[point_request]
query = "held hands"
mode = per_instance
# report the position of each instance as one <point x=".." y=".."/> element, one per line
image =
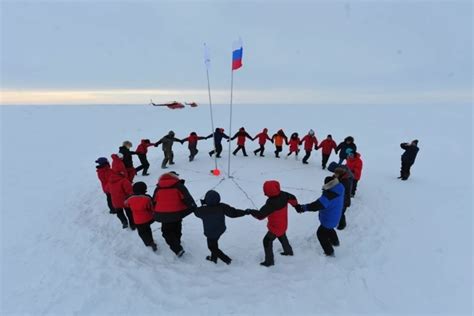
<point x="299" y="208"/>
<point x="251" y="212"/>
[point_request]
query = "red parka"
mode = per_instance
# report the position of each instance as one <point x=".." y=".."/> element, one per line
<point x="118" y="166"/>
<point x="172" y="199"/>
<point x="120" y="188"/>
<point x="142" y="208"/>
<point x="294" y="144"/>
<point x="355" y="164"/>
<point x="142" y="149"/>
<point x="103" y="173"/>
<point x="309" y="142"/>
<point x="276" y="208"/>
<point x="327" y="145"/>
<point x="263" y="137"/>
<point x="241" y="135"/>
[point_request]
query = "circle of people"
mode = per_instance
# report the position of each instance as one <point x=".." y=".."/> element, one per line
<point x="171" y="201"/>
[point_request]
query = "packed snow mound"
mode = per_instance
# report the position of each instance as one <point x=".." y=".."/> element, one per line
<point x="407" y="248"/>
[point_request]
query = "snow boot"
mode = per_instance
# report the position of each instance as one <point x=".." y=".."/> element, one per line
<point x="267" y="263"/>
<point x="210" y="258"/>
<point x="180" y="253"/>
<point x="342" y="223"/>
<point x="124" y="225"/>
<point x="286" y="253"/>
<point x="154" y="247"/>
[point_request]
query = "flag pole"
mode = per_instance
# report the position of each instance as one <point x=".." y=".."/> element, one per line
<point x="212" y="117"/>
<point x="207" y="62"/>
<point x="230" y="120"/>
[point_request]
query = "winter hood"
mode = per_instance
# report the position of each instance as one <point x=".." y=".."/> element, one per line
<point x="118" y="165"/>
<point x="212" y="198"/>
<point x="271" y="188"/>
<point x="331" y="184"/>
<point x="168" y="180"/>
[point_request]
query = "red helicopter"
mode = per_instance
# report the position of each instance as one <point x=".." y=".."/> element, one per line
<point x="191" y="104"/>
<point x="171" y="105"/>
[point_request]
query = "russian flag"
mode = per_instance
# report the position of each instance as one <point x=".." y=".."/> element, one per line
<point x="237" y="51"/>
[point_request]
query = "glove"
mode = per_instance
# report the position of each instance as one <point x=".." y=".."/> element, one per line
<point x="299" y="208"/>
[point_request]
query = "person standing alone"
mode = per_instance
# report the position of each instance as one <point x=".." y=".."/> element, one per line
<point x="408" y="158"/>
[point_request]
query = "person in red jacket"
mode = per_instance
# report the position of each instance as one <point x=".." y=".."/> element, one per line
<point x="262" y="139"/>
<point x="120" y="188"/>
<point x="103" y="173"/>
<point x="192" y="140"/>
<point x="141" y="152"/>
<point x="310" y="141"/>
<point x="173" y="202"/>
<point x="241" y="135"/>
<point x="276" y="209"/>
<point x="294" y="144"/>
<point x="355" y="164"/>
<point x="328" y="145"/>
<point x="141" y="205"/>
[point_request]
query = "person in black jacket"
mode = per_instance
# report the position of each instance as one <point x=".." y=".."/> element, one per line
<point x="345" y="177"/>
<point x="217" y="135"/>
<point x="213" y="213"/>
<point x="408" y="158"/>
<point x="127" y="159"/>
<point x="346" y="147"/>
<point x="167" y="145"/>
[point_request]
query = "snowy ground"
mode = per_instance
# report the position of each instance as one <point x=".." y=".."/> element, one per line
<point x="407" y="248"/>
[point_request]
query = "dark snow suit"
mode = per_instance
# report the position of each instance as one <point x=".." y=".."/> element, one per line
<point x="217" y="135"/>
<point x="213" y="221"/>
<point x="167" y="146"/>
<point x="408" y="159"/>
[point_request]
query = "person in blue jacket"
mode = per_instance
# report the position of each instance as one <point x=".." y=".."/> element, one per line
<point x="213" y="213"/>
<point x="408" y="158"/>
<point x="217" y="135"/>
<point x="330" y="206"/>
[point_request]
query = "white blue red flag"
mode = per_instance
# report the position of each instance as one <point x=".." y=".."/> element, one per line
<point x="237" y="51"/>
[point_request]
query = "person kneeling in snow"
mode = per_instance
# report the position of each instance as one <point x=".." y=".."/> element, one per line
<point x="276" y="209"/>
<point x="141" y="205"/>
<point x="329" y="206"/>
<point x="173" y="202"/>
<point x="213" y="213"/>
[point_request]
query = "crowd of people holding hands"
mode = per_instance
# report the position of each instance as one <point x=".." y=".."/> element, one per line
<point x="171" y="201"/>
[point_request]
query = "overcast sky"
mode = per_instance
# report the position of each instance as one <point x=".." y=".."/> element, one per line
<point x="310" y="52"/>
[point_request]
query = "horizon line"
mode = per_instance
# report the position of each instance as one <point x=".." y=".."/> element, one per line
<point x="11" y="97"/>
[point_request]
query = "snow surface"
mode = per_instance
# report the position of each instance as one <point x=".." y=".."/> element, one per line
<point x="407" y="248"/>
